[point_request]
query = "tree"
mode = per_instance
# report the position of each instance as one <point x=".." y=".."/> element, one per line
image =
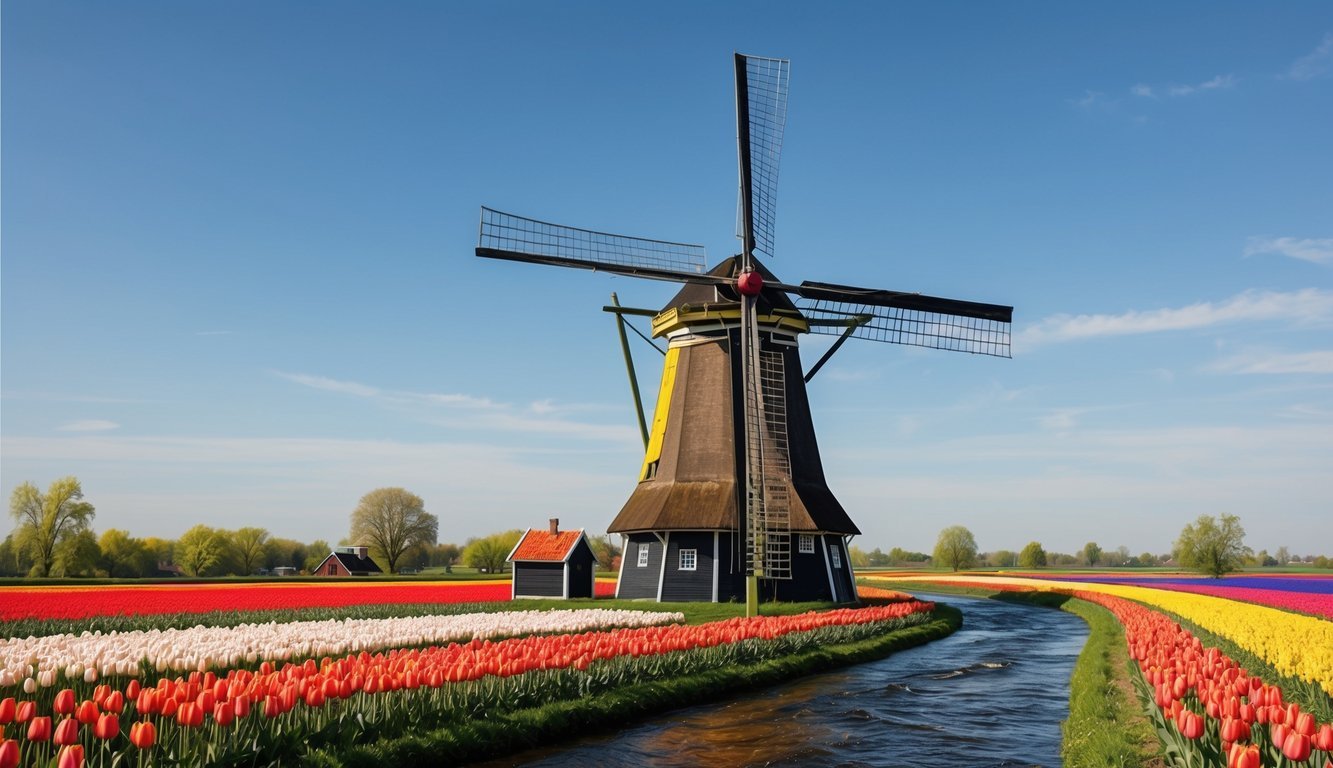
<point x="956" y="548"/>
<point x="247" y="545"/>
<point x="1032" y="556"/>
<point x="199" y="549"/>
<point x="391" y="521"/>
<point x="1092" y="553"/>
<point x="858" y="557"/>
<point x="489" y="553"/>
<point x="47" y="521"/>
<point x="1283" y="556"/>
<point x="124" y="556"/>
<point x="1211" y="546"/>
<point x="312" y="555"/>
<point x="1003" y="558"/>
<point x="604" y="549"/>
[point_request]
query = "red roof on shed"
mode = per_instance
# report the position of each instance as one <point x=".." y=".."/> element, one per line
<point x="546" y="546"/>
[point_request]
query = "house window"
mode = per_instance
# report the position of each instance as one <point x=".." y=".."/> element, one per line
<point x="643" y="555"/>
<point x="807" y="544"/>
<point x="689" y="559"/>
<point x="836" y="554"/>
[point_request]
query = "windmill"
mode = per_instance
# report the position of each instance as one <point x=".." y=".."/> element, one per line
<point x="732" y="453"/>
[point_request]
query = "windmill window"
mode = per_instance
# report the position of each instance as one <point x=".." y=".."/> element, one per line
<point x="807" y="544"/>
<point x="643" y="555"/>
<point x="836" y="554"/>
<point x="689" y="559"/>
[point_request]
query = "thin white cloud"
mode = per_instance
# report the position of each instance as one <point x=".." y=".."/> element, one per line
<point x="1219" y="82"/>
<point x="1318" y="250"/>
<point x="89" y="425"/>
<point x="330" y="385"/>
<point x="459" y="411"/>
<point x="1317" y="63"/>
<point x="1304" y="306"/>
<point x="1318" y="361"/>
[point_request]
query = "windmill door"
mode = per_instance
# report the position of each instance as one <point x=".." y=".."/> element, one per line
<point x="839" y="567"/>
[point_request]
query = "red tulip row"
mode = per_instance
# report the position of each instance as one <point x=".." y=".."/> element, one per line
<point x="1207" y="705"/>
<point x="219" y="702"/>
<point x="1217" y="709"/>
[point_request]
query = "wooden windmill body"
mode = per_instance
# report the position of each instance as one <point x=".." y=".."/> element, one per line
<point x="683" y="524"/>
<point x="731" y="498"/>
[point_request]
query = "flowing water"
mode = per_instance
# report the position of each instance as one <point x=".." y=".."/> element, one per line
<point x="991" y="694"/>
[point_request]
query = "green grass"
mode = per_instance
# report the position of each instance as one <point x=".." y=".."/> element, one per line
<point x="1105" y="727"/>
<point x="495" y="734"/>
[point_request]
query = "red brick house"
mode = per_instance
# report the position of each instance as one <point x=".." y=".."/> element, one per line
<point x="347" y="561"/>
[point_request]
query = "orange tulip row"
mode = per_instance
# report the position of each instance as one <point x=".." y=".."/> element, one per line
<point x="223" y="699"/>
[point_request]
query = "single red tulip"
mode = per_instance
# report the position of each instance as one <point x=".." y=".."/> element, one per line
<point x="107" y="726"/>
<point x="143" y="734"/>
<point x="1243" y="756"/>
<point x="7" y="707"/>
<point x="64" y="703"/>
<point x="67" y="732"/>
<point x="39" y="729"/>
<point x="86" y="712"/>
<point x="9" y="754"/>
<point x="1323" y="738"/>
<point x="241" y="705"/>
<point x="1304" y="724"/>
<point x="1234" y="729"/>
<point x="132" y="689"/>
<point x="1296" y="747"/>
<point x="169" y="707"/>
<point x="25" y="711"/>
<point x="190" y="715"/>
<point x="224" y="714"/>
<point x="71" y="757"/>
<point x="1278" y="735"/>
<point x="1193" y="726"/>
<point x="272" y="707"/>
<point x="114" y="702"/>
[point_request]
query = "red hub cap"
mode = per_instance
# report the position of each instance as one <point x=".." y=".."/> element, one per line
<point x="750" y="283"/>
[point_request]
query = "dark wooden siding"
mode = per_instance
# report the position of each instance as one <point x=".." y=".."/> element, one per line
<point x="730" y="581"/>
<point x="580" y="571"/>
<point x="689" y="586"/>
<point x="809" y="574"/>
<point x="638" y="583"/>
<point x="539" y="579"/>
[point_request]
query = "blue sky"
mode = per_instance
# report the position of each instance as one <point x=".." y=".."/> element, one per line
<point x="239" y="287"/>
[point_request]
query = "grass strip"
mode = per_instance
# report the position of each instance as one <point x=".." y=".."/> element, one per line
<point x="1105" y="727"/>
<point x="515" y="731"/>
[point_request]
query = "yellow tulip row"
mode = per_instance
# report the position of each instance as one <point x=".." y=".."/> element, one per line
<point x="1297" y="646"/>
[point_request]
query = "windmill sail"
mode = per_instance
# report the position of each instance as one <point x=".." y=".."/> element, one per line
<point x="761" y="116"/>
<point x="517" y="238"/>
<point x="910" y="327"/>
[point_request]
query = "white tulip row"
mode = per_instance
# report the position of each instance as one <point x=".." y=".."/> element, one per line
<point x="34" y="661"/>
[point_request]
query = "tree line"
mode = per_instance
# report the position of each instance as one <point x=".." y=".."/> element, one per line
<point x="1211" y="546"/>
<point x="54" y="537"/>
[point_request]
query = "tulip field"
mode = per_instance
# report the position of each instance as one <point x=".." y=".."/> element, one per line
<point x="260" y="690"/>
<point x="1207" y="708"/>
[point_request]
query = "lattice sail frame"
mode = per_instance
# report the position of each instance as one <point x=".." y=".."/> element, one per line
<point x="507" y="233"/>
<point x="767" y="84"/>
<point x="910" y="327"/>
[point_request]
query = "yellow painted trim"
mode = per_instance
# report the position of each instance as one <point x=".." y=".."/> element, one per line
<point x="674" y="319"/>
<point x="658" y="432"/>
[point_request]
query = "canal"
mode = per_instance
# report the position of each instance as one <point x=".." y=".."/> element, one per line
<point x="992" y="694"/>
